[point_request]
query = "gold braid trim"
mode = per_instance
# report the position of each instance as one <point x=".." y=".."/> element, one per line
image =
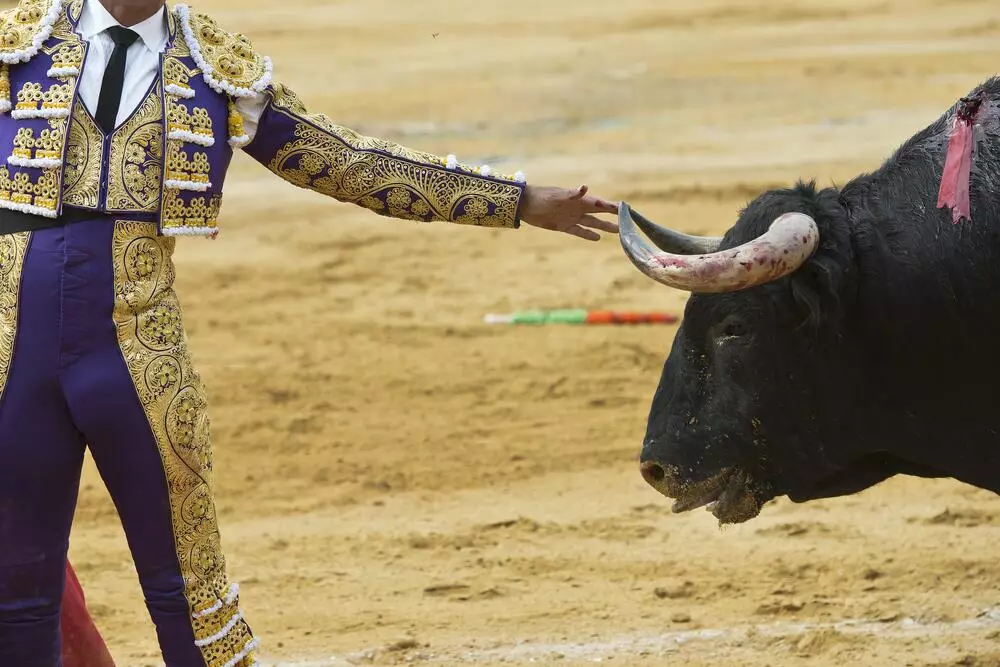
<point x="13" y="248"/>
<point x="147" y="316"/>
<point x="383" y="176"/>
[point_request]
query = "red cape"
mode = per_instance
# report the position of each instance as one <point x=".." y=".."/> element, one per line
<point x="82" y="645"/>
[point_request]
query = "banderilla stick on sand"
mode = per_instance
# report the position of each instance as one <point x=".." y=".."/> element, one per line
<point x="580" y="316"/>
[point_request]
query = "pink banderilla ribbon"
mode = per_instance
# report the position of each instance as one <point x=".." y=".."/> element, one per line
<point x="954" y="192"/>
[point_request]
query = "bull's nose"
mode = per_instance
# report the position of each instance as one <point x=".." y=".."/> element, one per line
<point x="653" y="473"/>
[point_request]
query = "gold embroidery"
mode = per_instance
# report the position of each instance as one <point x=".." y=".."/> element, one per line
<point x="390" y="179"/>
<point x="68" y="56"/>
<point x="177" y="76"/>
<point x="5" y="83"/>
<point x="286" y="99"/>
<point x="179" y="47"/>
<point x="48" y="145"/>
<point x="136" y="159"/>
<point x="385" y="177"/>
<point x="22" y="190"/>
<point x="182" y="170"/>
<point x="63" y="29"/>
<point x="148" y="321"/>
<point x="229" y="58"/>
<point x="196" y="123"/>
<point x="58" y="96"/>
<point x="30" y="96"/>
<point x="19" y="25"/>
<point x="47" y="190"/>
<point x="75" y="10"/>
<point x="82" y="166"/>
<point x="176" y="72"/>
<point x="13" y="248"/>
<point x="33" y="102"/>
<point x="24" y="143"/>
<point x="196" y="213"/>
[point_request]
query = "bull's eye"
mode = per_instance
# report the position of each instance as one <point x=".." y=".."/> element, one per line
<point x="734" y="329"/>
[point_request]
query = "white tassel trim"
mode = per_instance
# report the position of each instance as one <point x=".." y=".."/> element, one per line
<point x="40" y="113"/>
<point x="5" y="105"/>
<point x="231" y="595"/>
<point x="251" y="646"/>
<point x="211" y="610"/>
<point x="28" y="208"/>
<point x="452" y="163"/>
<point x="178" y="91"/>
<point x="44" y="31"/>
<point x="240" y="141"/>
<point x="187" y="231"/>
<point x="191" y="186"/>
<point x="58" y="72"/>
<point x="191" y="137"/>
<point x="237" y="617"/>
<point x="37" y="162"/>
<point x="208" y="72"/>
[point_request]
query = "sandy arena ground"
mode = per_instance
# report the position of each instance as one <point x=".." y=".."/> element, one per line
<point x="400" y="483"/>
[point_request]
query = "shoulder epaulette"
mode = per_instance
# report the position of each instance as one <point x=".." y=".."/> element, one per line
<point x="227" y="61"/>
<point x="23" y="29"/>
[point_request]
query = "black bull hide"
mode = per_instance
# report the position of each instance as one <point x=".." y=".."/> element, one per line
<point x="879" y="356"/>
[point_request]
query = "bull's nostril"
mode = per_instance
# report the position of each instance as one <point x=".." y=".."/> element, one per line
<point x="652" y="472"/>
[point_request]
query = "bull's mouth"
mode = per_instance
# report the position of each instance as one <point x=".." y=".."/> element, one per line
<point x="729" y="495"/>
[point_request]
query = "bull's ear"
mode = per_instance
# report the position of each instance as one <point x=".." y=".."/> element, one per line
<point x="814" y="290"/>
<point x="821" y="289"/>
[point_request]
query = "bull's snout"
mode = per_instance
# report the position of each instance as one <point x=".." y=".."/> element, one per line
<point x="687" y="491"/>
<point x="666" y="479"/>
<point x="659" y="474"/>
<point x="724" y="488"/>
<point x="653" y="473"/>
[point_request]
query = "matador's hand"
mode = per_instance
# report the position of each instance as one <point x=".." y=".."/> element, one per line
<point x="570" y="211"/>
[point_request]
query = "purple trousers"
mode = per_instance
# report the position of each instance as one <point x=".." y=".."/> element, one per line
<point x="93" y="353"/>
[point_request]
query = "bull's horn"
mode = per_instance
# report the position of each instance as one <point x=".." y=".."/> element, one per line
<point x="675" y="242"/>
<point x="784" y="247"/>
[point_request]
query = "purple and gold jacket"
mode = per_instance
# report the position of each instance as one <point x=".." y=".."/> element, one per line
<point x="168" y="161"/>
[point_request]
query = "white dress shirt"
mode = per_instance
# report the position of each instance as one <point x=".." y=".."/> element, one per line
<point x="142" y="63"/>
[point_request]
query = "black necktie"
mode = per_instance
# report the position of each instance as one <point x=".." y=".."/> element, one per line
<point x="114" y="78"/>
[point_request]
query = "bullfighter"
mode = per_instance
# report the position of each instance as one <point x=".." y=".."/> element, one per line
<point x="118" y="120"/>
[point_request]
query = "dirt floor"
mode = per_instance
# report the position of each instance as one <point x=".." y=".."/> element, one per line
<point x="399" y="482"/>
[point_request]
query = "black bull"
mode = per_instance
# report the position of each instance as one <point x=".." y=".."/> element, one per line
<point x="878" y="355"/>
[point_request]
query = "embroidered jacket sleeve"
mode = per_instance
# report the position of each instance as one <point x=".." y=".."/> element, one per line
<point x="312" y="152"/>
